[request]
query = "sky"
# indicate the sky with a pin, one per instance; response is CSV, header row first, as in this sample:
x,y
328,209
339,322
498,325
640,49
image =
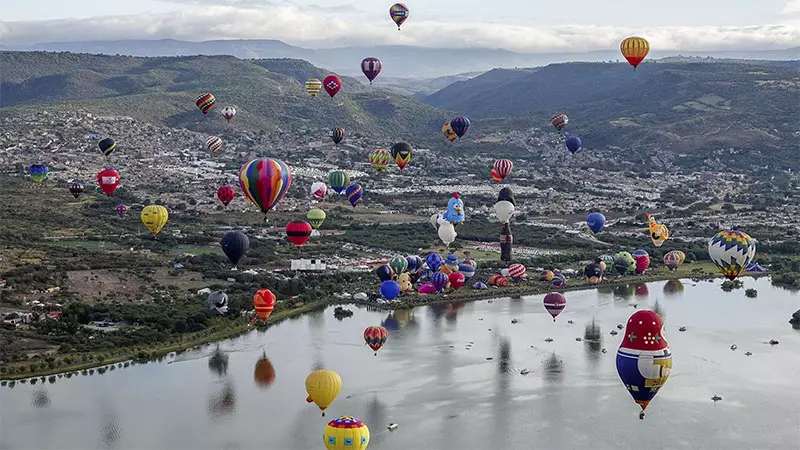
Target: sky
x,y
518,25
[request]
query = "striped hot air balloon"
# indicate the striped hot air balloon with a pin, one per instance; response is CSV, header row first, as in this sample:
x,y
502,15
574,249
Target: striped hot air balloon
x,y
337,134
354,194
554,303
634,49
399,14
107,146
264,303
460,125
501,169
214,143
375,337
76,188
264,182
559,121
339,180
298,232
205,102
313,86
316,217
371,68
380,158
516,271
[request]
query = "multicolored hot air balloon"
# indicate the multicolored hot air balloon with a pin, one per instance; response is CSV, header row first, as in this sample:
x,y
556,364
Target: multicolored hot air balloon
x,y
108,179
323,386
439,281
559,121
644,360
154,217
228,113
399,14
501,169
264,303
398,264
319,189
516,271
339,180
624,263
554,303
122,210
460,125
337,134
596,222
107,146
76,188
573,144
375,337
298,232
672,260
346,433
313,86
401,153
354,194
731,251
634,49
316,217
371,68
214,143
235,244
448,132
642,259
205,102
379,158
332,84
658,231
264,182
38,172
226,194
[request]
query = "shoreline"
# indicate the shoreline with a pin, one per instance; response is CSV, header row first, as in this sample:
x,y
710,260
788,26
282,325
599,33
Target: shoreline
x,y
465,294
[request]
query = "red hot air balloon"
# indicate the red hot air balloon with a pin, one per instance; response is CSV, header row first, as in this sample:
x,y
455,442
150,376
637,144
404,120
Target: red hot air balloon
x,y
108,179
332,84
371,68
375,337
516,271
298,232
457,279
225,194
264,303
501,169
554,303
264,374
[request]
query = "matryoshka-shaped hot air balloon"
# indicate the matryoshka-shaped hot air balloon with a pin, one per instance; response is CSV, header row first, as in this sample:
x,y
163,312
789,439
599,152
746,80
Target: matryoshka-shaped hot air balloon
x,y
107,146
316,217
298,232
319,189
399,14
264,182
371,67
313,86
501,169
401,153
226,194
596,222
76,188
634,49
573,144
337,134
346,433
108,179
375,337
731,251
122,210
658,231
448,132
379,158
228,113
323,386
644,360
460,125
332,84
559,121
205,102
214,143
154,217
264,303
554,303
339,180
354,194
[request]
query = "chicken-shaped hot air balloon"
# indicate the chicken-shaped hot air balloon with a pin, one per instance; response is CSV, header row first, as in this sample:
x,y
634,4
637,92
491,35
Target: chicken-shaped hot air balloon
x,y
658,231
264,182
108,179
205,102
380,158
346,433
554,303
455,210
731,251
323,386
644,360
401,152
371,67
226,194
399,14
313,86
448,132
264,303
332,84
154,217
375,337
634,49
339,180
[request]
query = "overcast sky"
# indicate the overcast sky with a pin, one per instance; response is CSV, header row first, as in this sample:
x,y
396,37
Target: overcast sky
x,y
520,25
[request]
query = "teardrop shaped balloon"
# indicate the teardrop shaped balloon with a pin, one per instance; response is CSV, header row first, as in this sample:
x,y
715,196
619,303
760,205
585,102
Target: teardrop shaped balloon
x,y
154,217
337,134
371,67
573,144
399,14
264,373
313,86
634,49
375,337
298,232
401,152
108,179
339,180
332,84
502,167
554,303
731,251
596,222
235,244
264,303
38,172
323,386
354,194
379,158
76,188
316,217
214,143
228,113
460,125
205,102
226,194
121,210
264,182
559,121
107,146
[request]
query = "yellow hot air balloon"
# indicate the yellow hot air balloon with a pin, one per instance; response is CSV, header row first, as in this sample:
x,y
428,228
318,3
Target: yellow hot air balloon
x,y
154,217
658,231
346,433
323,386
634,49
315,217
313,86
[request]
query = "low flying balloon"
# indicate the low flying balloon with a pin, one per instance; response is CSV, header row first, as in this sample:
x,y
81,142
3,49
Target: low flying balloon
x,y
413,263
554,303
401,153
573,144
371,67
235,244
447,233
354,194
313,86
107,146
346,433
558,280
323,386
217,302
339,180
546,275
332,84
460,125
214,143
316,217
264,182
456,279
593,272
264,373
384,272
228,113
375,337
501,169
448,132
390,289
506,242
298,232
122,210
516,271
682,256
624,263
559,121
319,189
658,231
225,194
642,259
596,222
205,102
399,14
38,172
380,158
634,49
644,359
154,217
439,281
399,264
264,303
731,251
76,188
337,134
434,261
672,260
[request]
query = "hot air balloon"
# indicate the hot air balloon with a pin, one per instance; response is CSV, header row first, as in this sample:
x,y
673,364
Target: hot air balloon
x,y
593,272
371,68
504,208
379,158
346,433
228,112
38,172
154,217
298,232
498,280
456,280
354,194
107,146
624,263
516,271
332,84
644,360
384,272
318,190
315,217
235,244
501,169
682,256
642,260
634,49
434,261
559,121
205,102
554,303
264,373
264,303
558,280
339,180
401,152
439,281
731,251
399,13
225,194
214,143
313,86
122,210
264,182
76,188
460,125
672,260
390,289
375,337
217,302
596,222
447,233
573,144
658,231
399,264
448,132
108,179
546,275
323,386
337,134
455,209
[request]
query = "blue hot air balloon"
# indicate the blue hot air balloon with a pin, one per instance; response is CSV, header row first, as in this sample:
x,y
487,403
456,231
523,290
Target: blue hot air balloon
x,y
384,272
573,144
390,289
434,261
439,281
596,222
354,194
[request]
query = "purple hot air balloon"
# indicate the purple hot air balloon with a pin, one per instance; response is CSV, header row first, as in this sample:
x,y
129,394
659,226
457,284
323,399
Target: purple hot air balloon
x,y
439,281
427,288
460,125
554,303
434,261
354,194
371,67
122,210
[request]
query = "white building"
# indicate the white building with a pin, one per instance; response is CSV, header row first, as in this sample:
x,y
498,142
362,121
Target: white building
x,y
308,264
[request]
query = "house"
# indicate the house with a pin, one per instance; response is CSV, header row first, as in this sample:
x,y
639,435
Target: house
x,y
308,264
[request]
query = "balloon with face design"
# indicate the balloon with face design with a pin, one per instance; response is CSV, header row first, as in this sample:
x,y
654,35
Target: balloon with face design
x,y
455,210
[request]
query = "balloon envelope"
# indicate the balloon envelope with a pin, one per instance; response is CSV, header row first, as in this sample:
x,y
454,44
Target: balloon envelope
x,y
390,289
264,182
596,221
731,251
235,244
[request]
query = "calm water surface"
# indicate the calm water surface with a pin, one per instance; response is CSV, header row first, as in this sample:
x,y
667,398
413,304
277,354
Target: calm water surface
x,y
435,379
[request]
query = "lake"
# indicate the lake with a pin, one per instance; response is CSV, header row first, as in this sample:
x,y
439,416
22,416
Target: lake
x,y
435,380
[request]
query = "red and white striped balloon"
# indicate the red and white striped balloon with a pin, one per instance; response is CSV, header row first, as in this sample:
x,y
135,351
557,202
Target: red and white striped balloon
x,y
554,303
501,169
516,271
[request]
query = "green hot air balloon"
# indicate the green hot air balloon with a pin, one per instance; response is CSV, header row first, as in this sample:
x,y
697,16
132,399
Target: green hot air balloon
x,y
399,264
315,217
339,180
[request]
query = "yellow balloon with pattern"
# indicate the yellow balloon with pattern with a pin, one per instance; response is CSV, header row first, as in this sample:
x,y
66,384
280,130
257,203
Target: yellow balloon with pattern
x,y
346,433
315,217
634,49
313,86
658,231
323,386
154,217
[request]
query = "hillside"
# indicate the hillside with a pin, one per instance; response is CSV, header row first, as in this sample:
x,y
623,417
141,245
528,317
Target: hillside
x,y
268,94
683,106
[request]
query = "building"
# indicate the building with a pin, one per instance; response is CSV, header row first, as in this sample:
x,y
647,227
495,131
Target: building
x,y
308,264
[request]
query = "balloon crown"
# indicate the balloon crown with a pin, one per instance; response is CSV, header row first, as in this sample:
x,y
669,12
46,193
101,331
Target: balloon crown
x,y
455,195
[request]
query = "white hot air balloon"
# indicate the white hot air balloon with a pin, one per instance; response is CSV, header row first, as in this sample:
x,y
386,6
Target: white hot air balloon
x,y
504,210
447,233
318,190
436,220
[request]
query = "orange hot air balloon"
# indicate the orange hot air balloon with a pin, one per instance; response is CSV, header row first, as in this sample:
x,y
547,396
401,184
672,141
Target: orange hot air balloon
x,y
634,49
264,373
375,337
264,302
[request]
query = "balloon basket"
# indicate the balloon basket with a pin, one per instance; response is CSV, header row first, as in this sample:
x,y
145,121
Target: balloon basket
x,y
641,415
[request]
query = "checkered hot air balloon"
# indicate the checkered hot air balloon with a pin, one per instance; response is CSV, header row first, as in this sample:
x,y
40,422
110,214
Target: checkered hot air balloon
x,y
205,102
731,251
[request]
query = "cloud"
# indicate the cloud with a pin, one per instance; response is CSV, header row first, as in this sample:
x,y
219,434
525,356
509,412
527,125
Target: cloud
x,y
306,25
791,7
